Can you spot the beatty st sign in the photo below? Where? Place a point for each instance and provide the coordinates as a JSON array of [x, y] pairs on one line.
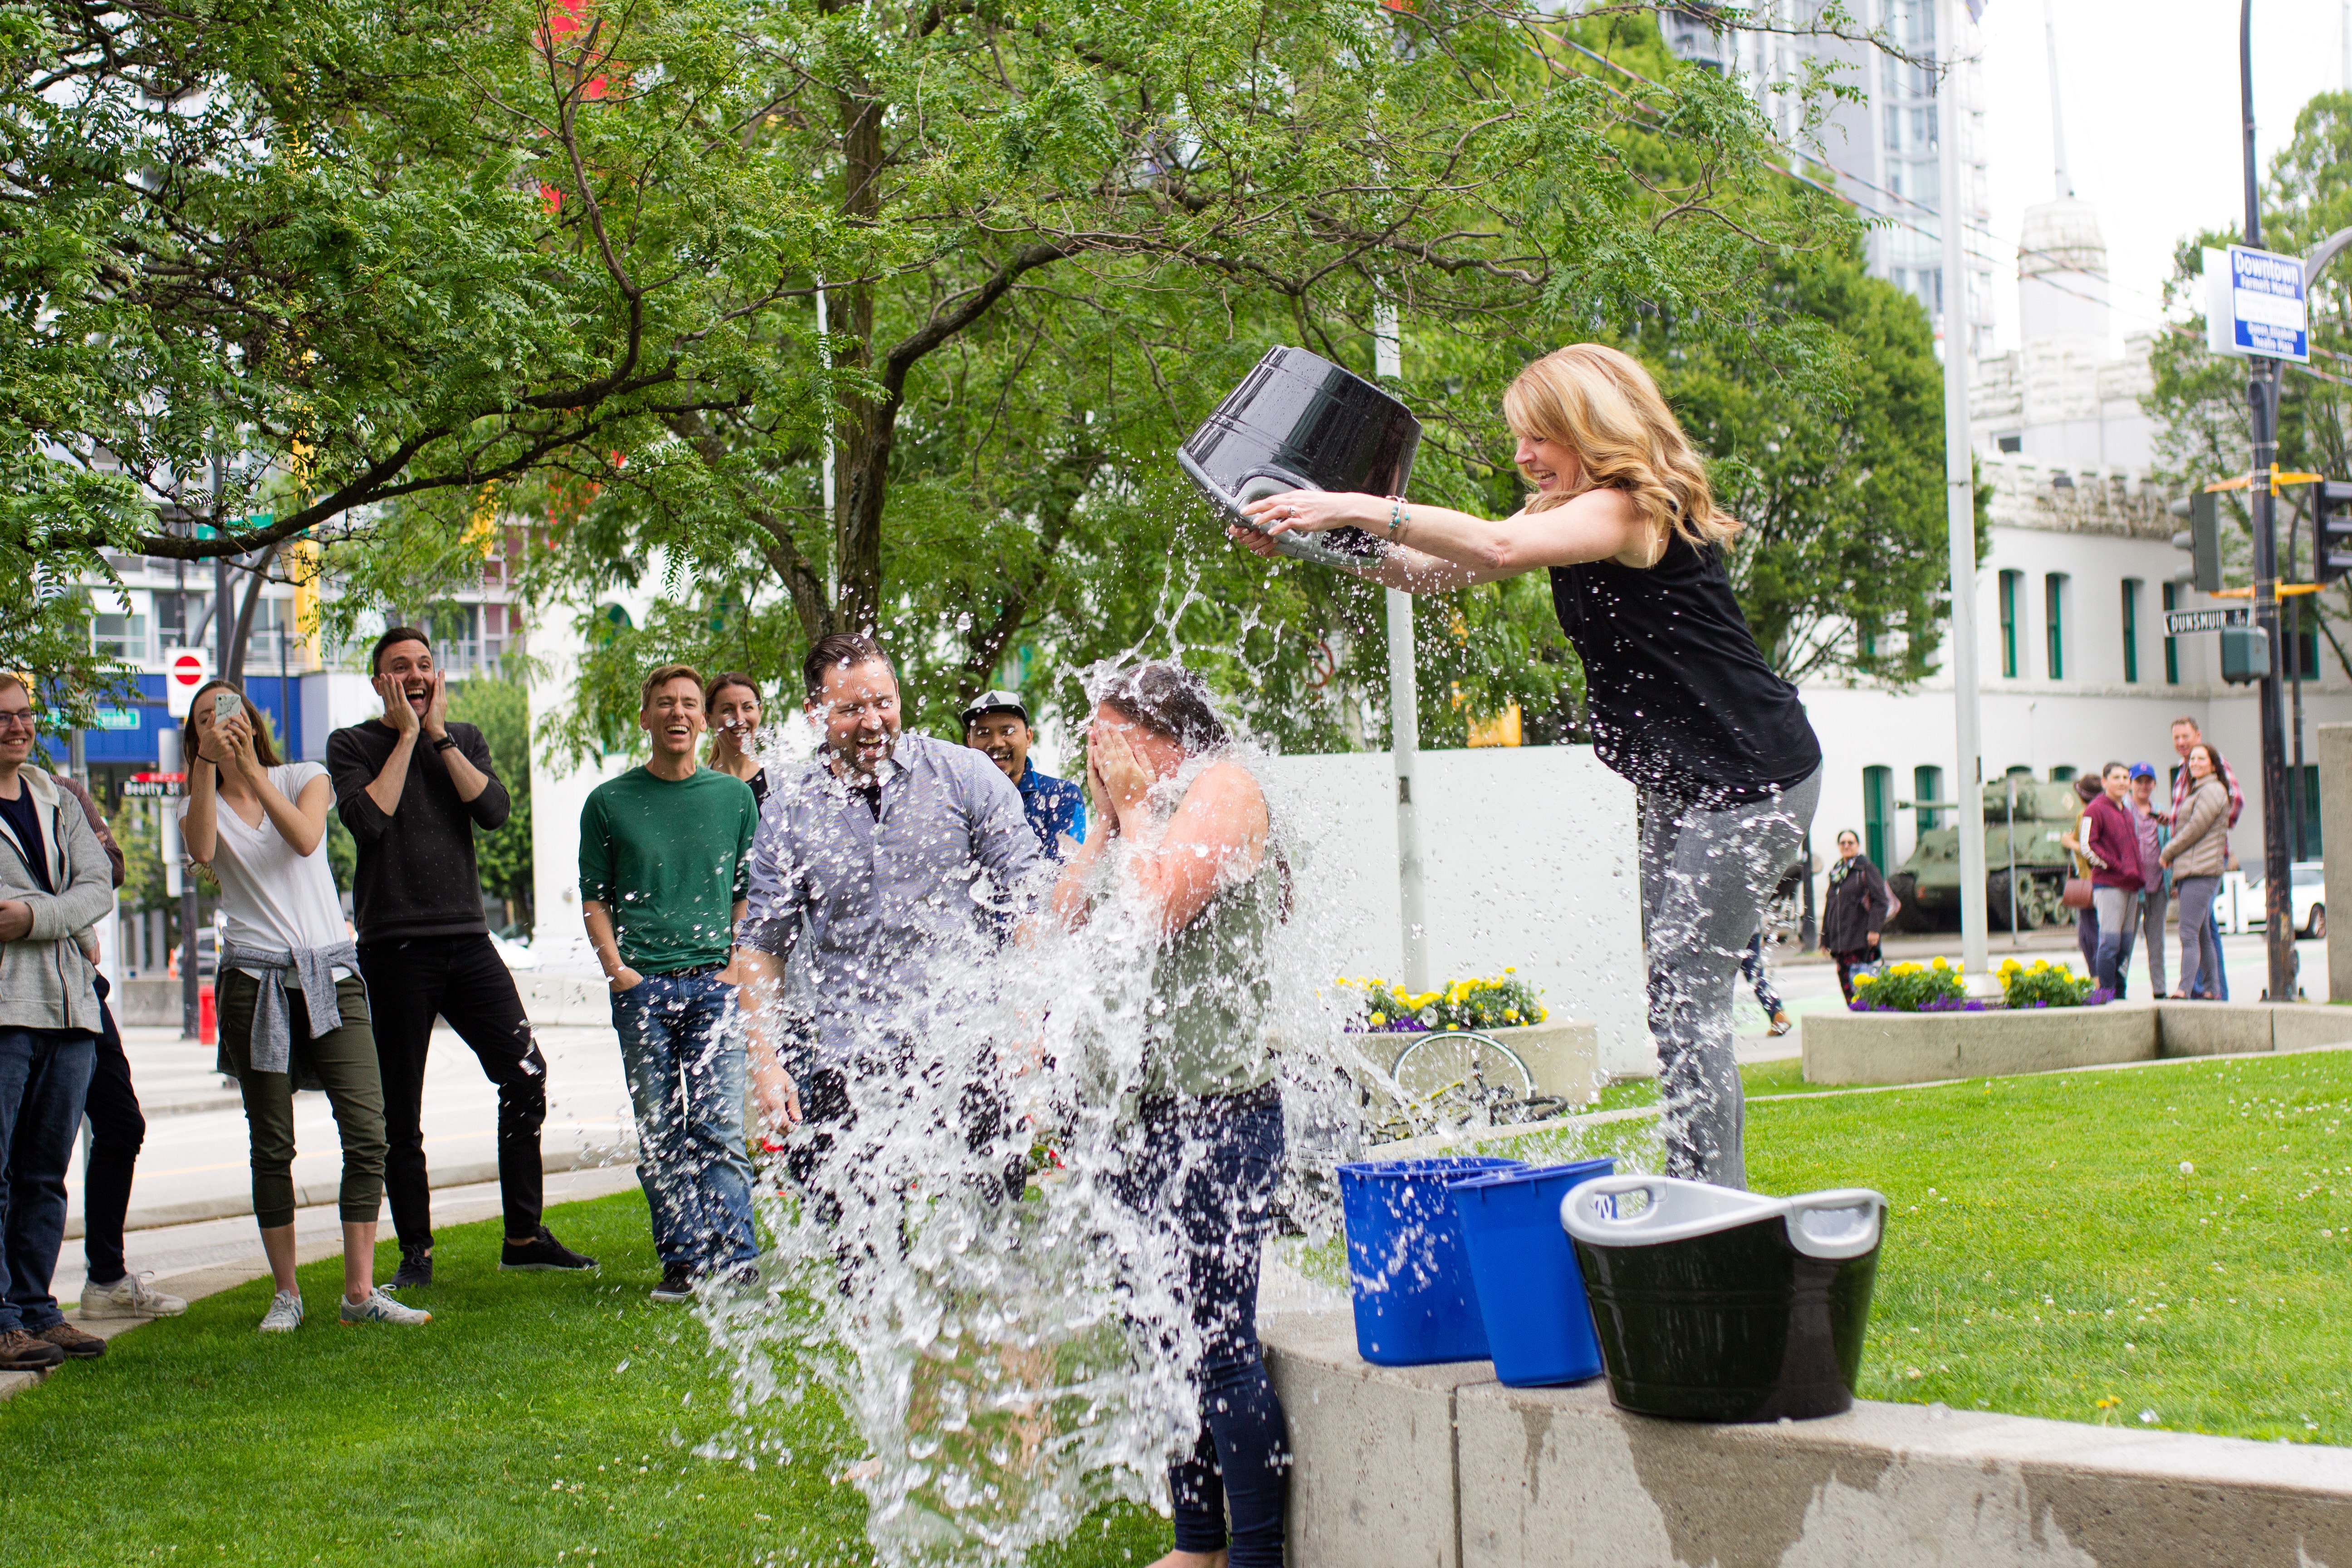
[[2178, 623], [2255, 304]]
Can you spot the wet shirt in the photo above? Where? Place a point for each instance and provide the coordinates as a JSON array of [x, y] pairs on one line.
[[870, 901], [1679, 697], [1053, 806], [668, 856]]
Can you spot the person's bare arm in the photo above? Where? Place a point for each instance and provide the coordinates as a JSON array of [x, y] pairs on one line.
[[200, 823], [1436, 548], [598, 917], [1216, 840]]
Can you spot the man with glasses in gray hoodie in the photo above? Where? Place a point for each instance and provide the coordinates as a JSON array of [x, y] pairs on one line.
[[55, 883]]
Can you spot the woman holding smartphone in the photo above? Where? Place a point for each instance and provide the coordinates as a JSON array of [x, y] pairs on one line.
[[293, 1011], [1680, 701]]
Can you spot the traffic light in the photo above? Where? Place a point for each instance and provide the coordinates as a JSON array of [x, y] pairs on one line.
[[2203, 538], [2331, 536]]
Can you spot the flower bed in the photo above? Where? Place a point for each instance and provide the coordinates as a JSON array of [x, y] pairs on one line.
[[1497, 1003], [1937, 987]]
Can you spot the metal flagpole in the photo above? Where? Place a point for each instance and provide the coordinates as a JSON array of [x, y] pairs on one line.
[[1405, 715], [1960, 514]]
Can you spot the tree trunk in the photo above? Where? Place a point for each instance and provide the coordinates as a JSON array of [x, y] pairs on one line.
[[244, 633]]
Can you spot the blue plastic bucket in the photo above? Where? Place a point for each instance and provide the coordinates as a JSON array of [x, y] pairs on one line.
[[1407, 1272], [1531, 1295]]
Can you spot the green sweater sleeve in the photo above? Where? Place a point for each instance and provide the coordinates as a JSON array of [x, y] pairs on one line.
[[595, 853]]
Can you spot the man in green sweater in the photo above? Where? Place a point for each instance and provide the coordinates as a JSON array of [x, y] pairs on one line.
[[662, 882]]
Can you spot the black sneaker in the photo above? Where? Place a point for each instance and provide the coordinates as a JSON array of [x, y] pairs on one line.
[[416, 1269], [676, 1284], [542, 1252]]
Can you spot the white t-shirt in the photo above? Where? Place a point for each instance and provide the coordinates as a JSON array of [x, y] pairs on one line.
[[272, 897]]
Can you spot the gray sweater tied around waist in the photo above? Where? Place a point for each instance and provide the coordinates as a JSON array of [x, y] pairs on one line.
[[313, 970]]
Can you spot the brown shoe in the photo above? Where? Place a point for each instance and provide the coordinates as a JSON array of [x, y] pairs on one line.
[[73, 1342], [20, 1352]]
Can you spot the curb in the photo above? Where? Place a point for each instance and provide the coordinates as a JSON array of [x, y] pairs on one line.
[[312, 1195]]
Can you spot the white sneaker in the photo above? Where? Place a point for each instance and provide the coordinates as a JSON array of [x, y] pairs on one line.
[[285, 1314], [129, 1297], [380, 1308]]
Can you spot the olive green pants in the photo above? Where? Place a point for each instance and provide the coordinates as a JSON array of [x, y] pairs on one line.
[[341, 1061]]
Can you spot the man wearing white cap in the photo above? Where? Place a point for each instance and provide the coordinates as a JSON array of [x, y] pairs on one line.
[[997, 723]]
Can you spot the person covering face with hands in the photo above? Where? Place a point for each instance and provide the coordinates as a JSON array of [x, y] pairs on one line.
[[662, 882], [413, 787]]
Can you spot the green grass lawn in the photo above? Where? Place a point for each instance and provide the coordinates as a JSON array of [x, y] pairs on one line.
[[539, 1418], [2045, 1256]]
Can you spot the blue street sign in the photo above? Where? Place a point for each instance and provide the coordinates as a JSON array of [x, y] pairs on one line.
[[2255, 304]]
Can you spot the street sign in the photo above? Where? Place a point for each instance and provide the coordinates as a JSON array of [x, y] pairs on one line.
[[2255, 304], [116, 719], [2178, 622], [154, 787], [185, 670]]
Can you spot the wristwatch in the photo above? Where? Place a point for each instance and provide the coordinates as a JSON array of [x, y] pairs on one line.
[[445, 743]]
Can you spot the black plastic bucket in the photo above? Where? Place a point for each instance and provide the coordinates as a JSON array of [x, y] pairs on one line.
[[1298, 422], [1716, 1305]]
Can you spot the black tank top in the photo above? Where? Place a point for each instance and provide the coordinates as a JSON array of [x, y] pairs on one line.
[[1678, 696]]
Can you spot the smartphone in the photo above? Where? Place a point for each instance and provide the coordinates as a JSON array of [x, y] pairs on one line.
[[225, 705]]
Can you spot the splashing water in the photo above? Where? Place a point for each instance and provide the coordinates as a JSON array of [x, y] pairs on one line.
[[974, 1260]]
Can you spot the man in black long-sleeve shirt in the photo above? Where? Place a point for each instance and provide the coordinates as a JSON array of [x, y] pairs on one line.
[[412, 786]]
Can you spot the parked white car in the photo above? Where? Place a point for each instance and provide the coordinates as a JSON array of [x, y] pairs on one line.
[[2238, 905]]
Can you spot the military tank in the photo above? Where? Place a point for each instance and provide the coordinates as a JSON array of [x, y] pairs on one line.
[[1929, 883]]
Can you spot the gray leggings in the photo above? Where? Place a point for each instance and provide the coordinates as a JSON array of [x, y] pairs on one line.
[[1705, 875], [2196, 895]]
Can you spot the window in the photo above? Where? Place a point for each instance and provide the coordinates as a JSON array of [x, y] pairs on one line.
[[1927, 784], [120, 637], [2300, 659], [2009, 597], [1877, 814], [2054, 620], [2011, 443], [2063, 772], [2171, 643], [2131, 629], [2309, 849]]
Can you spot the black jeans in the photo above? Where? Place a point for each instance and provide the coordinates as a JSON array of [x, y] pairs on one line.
[[463, 980], [1207, 1171], [117, 1129]]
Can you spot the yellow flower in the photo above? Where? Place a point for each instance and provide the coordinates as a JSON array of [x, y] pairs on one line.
[[1939, 963], [1378, 1019], [1865, 980], [1511, 970], [1511, 1016]]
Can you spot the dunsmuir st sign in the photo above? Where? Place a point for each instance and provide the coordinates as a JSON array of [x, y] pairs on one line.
[[2178, 623]]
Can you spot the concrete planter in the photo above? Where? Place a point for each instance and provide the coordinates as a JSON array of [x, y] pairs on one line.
[[1563, 1056], [1441, 1467], [1920, 1047]]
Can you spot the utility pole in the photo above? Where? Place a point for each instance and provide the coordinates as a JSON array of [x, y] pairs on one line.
[[2262, 400], [1405, 715], [1960, 514]]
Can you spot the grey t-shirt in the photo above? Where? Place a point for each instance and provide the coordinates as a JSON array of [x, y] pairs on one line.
[[875, 907]]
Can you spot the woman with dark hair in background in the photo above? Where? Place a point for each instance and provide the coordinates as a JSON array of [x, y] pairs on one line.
[[293, 1009], [1854, 910], [732, 703], [1195, 852]]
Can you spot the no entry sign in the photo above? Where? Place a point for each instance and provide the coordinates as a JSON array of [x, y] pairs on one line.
[[185, 670]]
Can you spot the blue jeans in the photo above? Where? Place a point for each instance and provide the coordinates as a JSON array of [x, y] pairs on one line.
[[2115, 908], [683, 1059], [44, 1079], [1208, 1171]]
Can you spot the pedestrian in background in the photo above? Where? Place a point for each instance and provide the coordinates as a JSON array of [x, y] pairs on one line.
[[1854, 910], [662, 879], [2111, 842], [2198, 855], [2079, 868], [2213, 977], [2146, 912], [293, 1010], [412, 786], [730, 706], [117, 1130], [996, 723], [53, 888]]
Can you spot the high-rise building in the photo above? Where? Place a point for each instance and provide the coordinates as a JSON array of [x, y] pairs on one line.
[[1881, 147]]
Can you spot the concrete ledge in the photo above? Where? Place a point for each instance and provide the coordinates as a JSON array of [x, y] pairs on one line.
[[1562, 1479], [1920, 1047]]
